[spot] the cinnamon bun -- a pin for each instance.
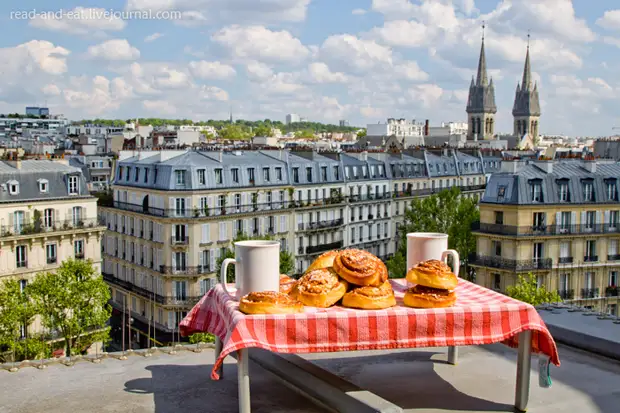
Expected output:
(425, 297)
(269, 302)
(360, 267)
(433, 274)
(320, 288)
(370, 298)
(286, 283)
(325, 260)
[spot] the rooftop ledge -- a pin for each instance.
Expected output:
(178, 379)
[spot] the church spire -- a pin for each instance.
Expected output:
(482, 79)
(526, 83)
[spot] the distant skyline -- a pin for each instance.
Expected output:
(359, 60)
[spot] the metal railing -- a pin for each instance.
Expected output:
(174, 240)
(185, 270)
(612, 291)
(79, 255)
(44, 227)
(511, 264)
(590, 258)
(308, 226)
(613, 257)
(313, 249)
(181, 300)
(589, 293)
(565, 260)
(544, 230)
(566, 294)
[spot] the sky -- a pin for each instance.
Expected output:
(326, 60)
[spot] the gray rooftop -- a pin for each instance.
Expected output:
(416, 380)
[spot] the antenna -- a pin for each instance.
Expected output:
(483, 27)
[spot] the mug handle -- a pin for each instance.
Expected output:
(223, 272)
(455, 260)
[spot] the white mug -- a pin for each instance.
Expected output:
(422, 246)
(257, 267)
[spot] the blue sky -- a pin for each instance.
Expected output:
(362, 60)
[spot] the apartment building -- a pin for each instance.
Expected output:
(558, 220)
(174, 212)
(46, 217)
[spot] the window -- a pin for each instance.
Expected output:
(336, 173)
(20, 256)
(266, 176)
(50, 253)
(128, 173)
(501, 192)
(48, 218)
(146, 175)
(589, 281)
(588, 191)
(235, 175)
(496, 248)
(43, 185)
(565, 221)
(565, 249)
(279, 173)
(536, 192)
(613, 278)
(613, 219)
(221, 200)
(496, 282)
(218, 176)
(202, 180)
(296, 175)
(179, 177)
(499, 217)
(179, 206)
(137, 175)
(309, 174)
(590, 219)
(564, 283)
(179, 233)
(563, 192)
(18, 221)
(324, 173)
(120, 172)
(78, 248)
(538, 253)
(251, 175)
(539, 221)
(590, 253)
(612, 250)
(73, 185)
(155, 177)
(612, 190)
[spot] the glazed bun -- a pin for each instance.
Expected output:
(424, 297)
(325, 260)
(320, 288)
(286, 283)
(269, 302)
(360, 267)
(433, 274)
(370, 298)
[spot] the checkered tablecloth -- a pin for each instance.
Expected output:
(480, 316)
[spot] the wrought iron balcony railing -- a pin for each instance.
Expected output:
(543, 230)
(511, 264)
(174, 240)
(565, 260)
(309, 226)
(566, 294)
(590, 293)
(313, 249)
(185, 270)
(44, 227)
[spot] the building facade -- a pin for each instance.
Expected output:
(46, 217)
(558, 220)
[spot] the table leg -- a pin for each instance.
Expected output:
(524, 364)
(218, 350)
(243, 380)
(453, 355)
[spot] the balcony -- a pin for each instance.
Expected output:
(79, 255)
(413, 192)
(52, 260)
(313, 249)
(511, 264)
(612, 291)
(589, 293)
(46, 227)
(126, 285)
(613, 257)
(542, 230)
(179, 271)
(178, 240)
(566, 294)
(590, 258)
(181, 300)
(565, 260)
(310, 226)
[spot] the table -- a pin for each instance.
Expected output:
(480, 316)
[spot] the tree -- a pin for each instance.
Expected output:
(527, 290)
(263, 130)
(305, 134)
(446, 212)
(287, 260)
(16, 310)
(73, 300)
(201, 338)
(233, 133)
(361, 133)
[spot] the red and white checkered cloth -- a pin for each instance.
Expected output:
(480, 316)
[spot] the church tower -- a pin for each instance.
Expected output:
(481, 107)
(526, 109)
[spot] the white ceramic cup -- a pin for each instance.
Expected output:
(257, 267)
(422, 246)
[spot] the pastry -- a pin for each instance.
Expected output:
(370, 298)
(269, 302)
(325, 260)
(360, 267)
(434, 274)
(425, 297)
(320, 288)
(286, 283)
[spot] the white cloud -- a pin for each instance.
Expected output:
(211, 70)
(258, 71)
(80, 20)
(349, 53)
(358, 12)
(402, 33)
(159, 107)
(410, 71)
(153, 37)
(114, 49)
(169, 78)
(320, 73)
(50, 90)
(35, 56)
(610, 20)
(260, 43)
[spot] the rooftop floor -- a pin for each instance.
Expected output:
(418, 381)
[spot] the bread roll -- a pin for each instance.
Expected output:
(320, 288)
(370, 298)
(425, 297)
(286, 283)
(269, 302)
(360, 267)
(433, 274)
(325, 260)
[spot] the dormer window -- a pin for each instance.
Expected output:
(588, 191)
(13, 187)
(43, 185)
(309, 174)
(612, 190)
(536, 191)
(128, 173)
(73, 185)
(563, 194)
(179, 177)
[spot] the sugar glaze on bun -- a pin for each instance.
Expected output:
(370, 298)
(425, 297)
(269, 302)
(433, 274)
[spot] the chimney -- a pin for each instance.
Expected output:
(589, 165)
(364, 156)
(221, 156)
(426, 128)
(545, 165)
(512, 165)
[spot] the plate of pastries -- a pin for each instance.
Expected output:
(356, 279)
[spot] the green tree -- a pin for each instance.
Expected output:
(233, 133)
(73, 300)
(527, 290)
(263, 130)
(305, 134)
(361, 133)
(201, 338)
(287, 260)
(445, 212)
(16, 310)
